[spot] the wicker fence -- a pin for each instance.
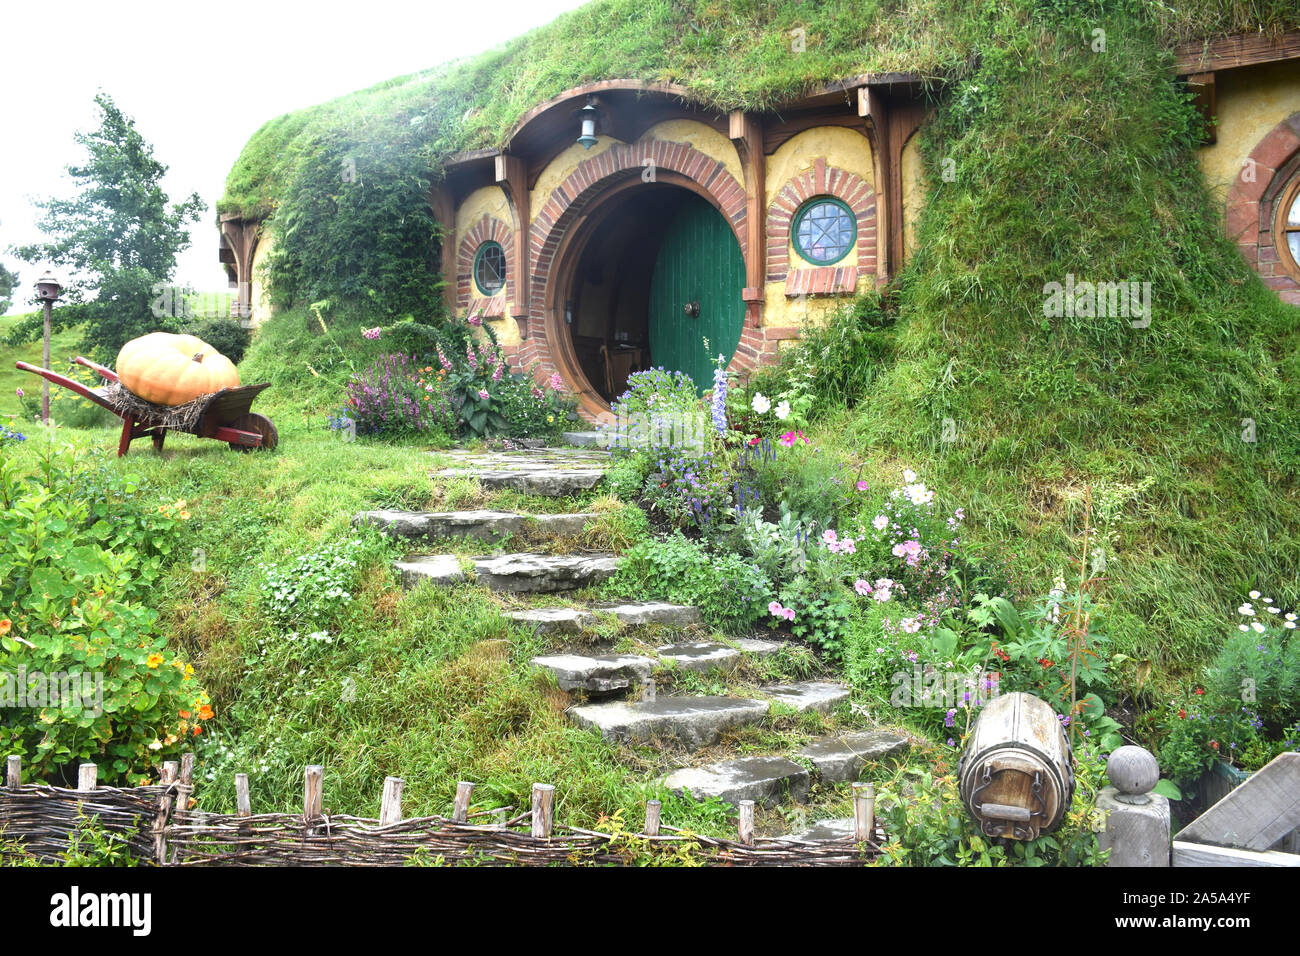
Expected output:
(157, 825)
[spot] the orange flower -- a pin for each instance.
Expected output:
(198, 729)
(184, 713)
(185, 516)
(5, 626)
(206, 713)
(154, 661)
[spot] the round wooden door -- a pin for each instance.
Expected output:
(695, 293)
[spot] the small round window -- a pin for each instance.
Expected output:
(1288, 228)
(824, 230)
(490, 268)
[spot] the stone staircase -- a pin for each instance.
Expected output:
(616, 694)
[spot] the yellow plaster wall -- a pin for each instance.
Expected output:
(914, 190)
(1250, 102)
(841, 147)
(488, 201)
(558, 169)
(704, 138)
(260, 290)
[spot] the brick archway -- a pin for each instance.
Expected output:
(821, 180)
(1251, 204)
(613, 170)
(487, 228)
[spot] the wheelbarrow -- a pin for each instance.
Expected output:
(224, 416)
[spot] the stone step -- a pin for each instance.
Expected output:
(601, 674)
(703, 656)
(527, 458)
(694, 721)
(518, 573)
(549, 481)
(535, 573)
(574, 620)
(587, 439)
(480, 524)
(839, 759)
(820, 696)
(765, 780)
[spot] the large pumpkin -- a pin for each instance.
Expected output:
(171, 369)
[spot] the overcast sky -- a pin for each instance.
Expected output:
(199, 79)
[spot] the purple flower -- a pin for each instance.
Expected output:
(20, 392)
(475, 319)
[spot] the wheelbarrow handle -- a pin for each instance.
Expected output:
(70, 384)
(106, 373)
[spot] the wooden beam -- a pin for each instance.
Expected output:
(871, 107)
(444, 212)
(1229, 53)
(1256, 814)
(512, 177)
(1197, 854)
(746, 132)
(1203, 87)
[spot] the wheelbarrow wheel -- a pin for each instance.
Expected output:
(253, 422)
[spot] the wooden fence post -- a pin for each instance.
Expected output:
(652, 811)
(87, 774)
(14, 772)
(543, 810)
(390, 808)
(313, 793)
(746, 824)
(167, 778)
(460, 812)
(243, 805)
(864, 812)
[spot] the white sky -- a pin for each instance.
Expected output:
(199, 79)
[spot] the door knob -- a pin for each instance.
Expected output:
(692, 309)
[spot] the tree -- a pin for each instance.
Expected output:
(118, 236)
(8, 282)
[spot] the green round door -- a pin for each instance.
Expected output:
(695, 293)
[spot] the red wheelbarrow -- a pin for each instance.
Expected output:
(224, 415)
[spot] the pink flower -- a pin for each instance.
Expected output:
(789, 614)
(496, 375)
(538, 393)
(469, 354)
(371, 333)
(862, 586)
(775, 609)
(475, 319)
(483, 394)
(847, 546)
(880, 522)
(789, 438)
(19, 392)
(443, 360)
(862, 485)
(557, 383)
(828, 536)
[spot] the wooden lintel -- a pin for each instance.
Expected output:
(1229, 53)
(512, 177)
(746, 132)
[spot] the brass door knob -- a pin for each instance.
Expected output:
(692, 309)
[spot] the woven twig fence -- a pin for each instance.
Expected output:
(158, 826)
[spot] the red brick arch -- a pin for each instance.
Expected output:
(821, 180)
(486, 228)
(1251, 204)
(672, 161)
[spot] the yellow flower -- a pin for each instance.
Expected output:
(550, 419)
(154, 661)
(185, 516)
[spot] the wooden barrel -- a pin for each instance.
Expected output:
(1016, 775)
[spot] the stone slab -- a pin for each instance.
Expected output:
(443, 569)
(483, 525)
(540, 573)
(820, 696)
(841, 758)
(548, 482)
(573, 620)
(598, 675)
(694, 721)
(765, 780)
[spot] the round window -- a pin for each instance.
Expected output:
(1288, 228)
(824, 230)
(490, 268)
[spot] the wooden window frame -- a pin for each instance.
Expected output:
(478, 258)
(1287, 199)
(803, 211)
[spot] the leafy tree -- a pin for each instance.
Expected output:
(119, 235)
(8, 282)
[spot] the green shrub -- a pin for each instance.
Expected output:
(227, 336)
(313, 591)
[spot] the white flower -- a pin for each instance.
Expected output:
(1290, 615)
(1247, 610)
(783, 410)
(761, 403)
(1290, 624)
(881, 522)
(1254, 595)
(909, 476)
(1274, 610)
(1258, 627)
(1242, 627)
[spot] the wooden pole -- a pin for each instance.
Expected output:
(243, 805)
(543, 810)
(14, 772)
(168, 778)
(652, 810)
(864, 811)
(390, 809)
(45, 352)
(313, 792)
(460, 812)
(87, 774)
(746, 825)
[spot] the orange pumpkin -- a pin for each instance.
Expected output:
(169, 369)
